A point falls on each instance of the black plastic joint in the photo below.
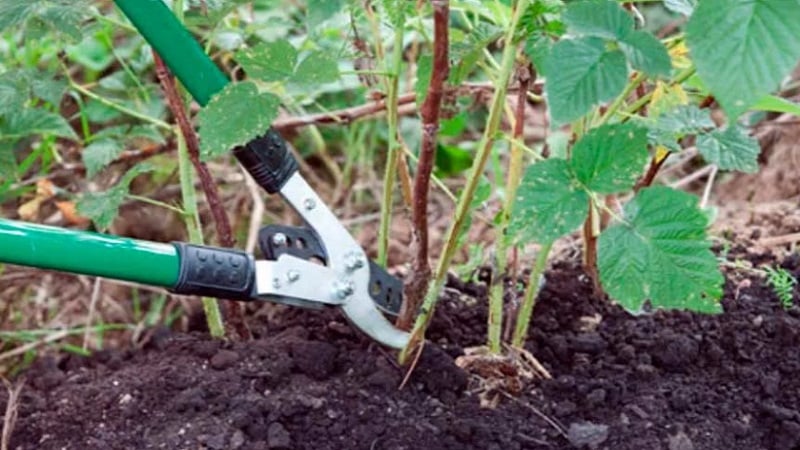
(268, 160)
(215, 272)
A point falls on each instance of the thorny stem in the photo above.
(431, 108)
(392, 153)
(465, 199)
(221, 221)
(495, 326)
(192, 218)
(529, 300)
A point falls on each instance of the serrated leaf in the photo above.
(609, 159)
(102, 207)
(65, 19)
(319, 11)
(15, 12)
(99, 154)
(396, 11)
(730, 149)
(48, 88)
(744, 48)
(35, 121)
(646, 53)
(582, 73)
(685, 7)
(603, 18)
(269, 61)
(537, 48)
(424, 71)
(685, 119)
(235, 116)
(671, 126)
(661, 254)
(317, 68)
(549, 204)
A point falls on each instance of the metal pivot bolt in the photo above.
(279, 239)
(276, 283)
(343, 289)
(354, 261)
(292, 276)
(309, 204)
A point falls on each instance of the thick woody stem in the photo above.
(235, 313)
(430, 112)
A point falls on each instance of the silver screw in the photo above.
(310, 204)
(292, 276)
(354, 262)
(343, 289)
(279, 239)
(276, 283)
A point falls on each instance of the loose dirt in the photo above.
(676, 381)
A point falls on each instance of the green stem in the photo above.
(637, 80)
(529, 300)
(123, 109)
(192, 219)
(465, 200)
(393, 118)
(150, 201)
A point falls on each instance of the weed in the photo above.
(782, 283)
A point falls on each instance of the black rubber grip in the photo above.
(268, 160)
(215, 272)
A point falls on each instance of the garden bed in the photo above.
(671, 380)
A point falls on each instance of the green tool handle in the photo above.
(176, 46)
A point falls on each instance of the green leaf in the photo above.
(318, 68)
(396, 11)
(451, 160)
(235, 116)
(15, 12)
(424, 71)
(99, 154)
(8, 162)
(319, 11)
(730, 149)
(537, 48)
(603, 18)
(269, 61)
(646, 53)
(582, 73)
(685, 7)
(684, 120)
(65, 19)
(609, 159)
(772, 103)
(744, 48)
(102, 207)
(661, 253)
(35, 121)
(550, 203)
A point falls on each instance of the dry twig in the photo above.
(12, 409)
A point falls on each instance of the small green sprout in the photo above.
(782, 283)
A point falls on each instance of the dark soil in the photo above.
(674, 381)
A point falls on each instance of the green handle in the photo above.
(180, 51)
(85, 253)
